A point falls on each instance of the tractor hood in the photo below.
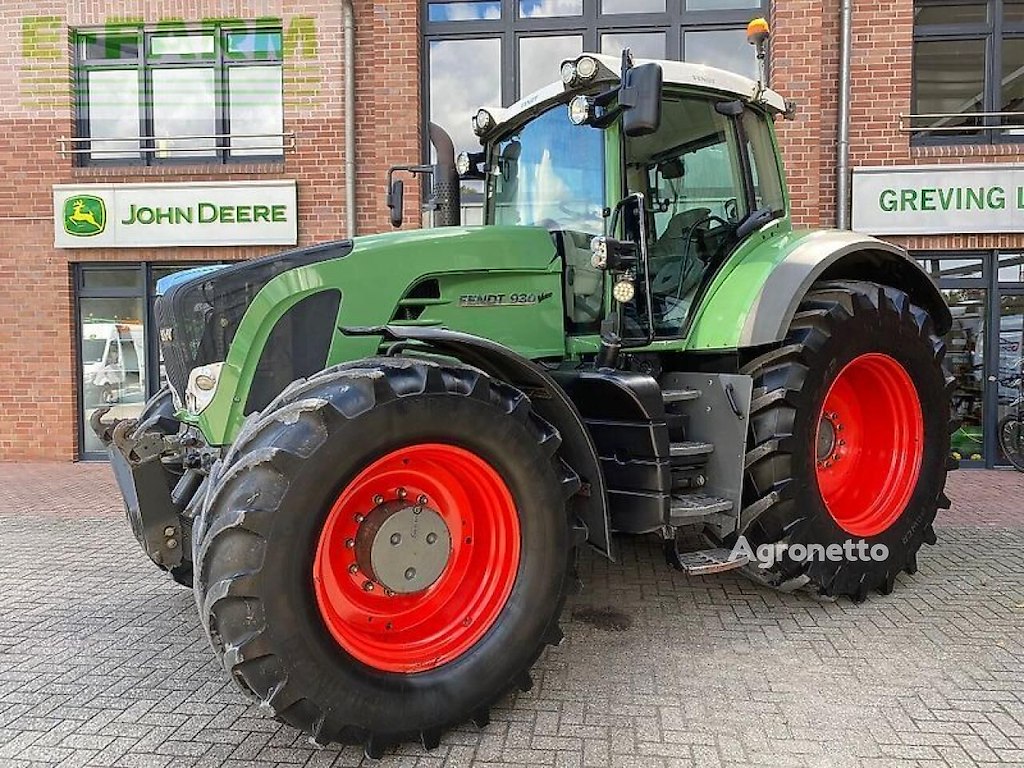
(200, 311)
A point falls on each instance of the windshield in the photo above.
(549, 173)
(92, 350)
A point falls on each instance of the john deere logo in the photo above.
(84, 215)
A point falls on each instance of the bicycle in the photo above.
(1011, 435)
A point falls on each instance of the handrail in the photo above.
(67, 145)
(906, 122)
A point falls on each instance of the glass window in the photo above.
(108, 46)
(550, 174)
(949, 80)
(183, 107)
(1011, 268)
(469, 11)
(182, 45)
(1013, 11)
(455, 98)
(968, 68)
(764, 166)
(632, 6)
(174, 90)
(113, 360)
(945, 268)
(965, 358)
(98, 279)
(1011, 95)
(538, 9)
(722, 48)
(690, 170)
(254, 44)
(952, 13)
(256, 103)
(644, 45)
(1010, 395)
(541, 57)
(112, 101)
(720, 5)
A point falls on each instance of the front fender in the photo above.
(753, 301)
(549, 401)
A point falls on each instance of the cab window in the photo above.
(691, 173)
(764, 166)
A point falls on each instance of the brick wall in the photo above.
(37, 369)
(805, 67)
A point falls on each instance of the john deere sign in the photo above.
(84, 216)
(166, 215)
(933, 199)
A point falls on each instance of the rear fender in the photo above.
(753, 304)
(549, 401)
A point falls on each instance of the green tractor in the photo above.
(377, 459)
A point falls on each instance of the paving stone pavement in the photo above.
(102, 661)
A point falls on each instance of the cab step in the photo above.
(689, 508)
(703, 561)
(690, 449)
(679, 395)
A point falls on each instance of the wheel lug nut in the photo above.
(422, 500)
(410, 574)
(353, 568)
(389, 593)
(359, 518)
(431, 538)
(402, 493)
(368, 586)
(396, 539)
(350, 543)
(378, 500)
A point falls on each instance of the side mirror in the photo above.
(640, 98)
(396, 202)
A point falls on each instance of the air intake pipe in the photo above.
(446, 197)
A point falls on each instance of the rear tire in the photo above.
(290, 480)
(886, 353)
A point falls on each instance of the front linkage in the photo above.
(146, 456)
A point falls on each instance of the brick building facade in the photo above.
(411, 61)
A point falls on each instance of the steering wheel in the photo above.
(669, 279)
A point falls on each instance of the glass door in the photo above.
(964, 284)
(1009, 384)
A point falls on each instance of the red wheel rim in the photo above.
(868, 441)
(421, 630)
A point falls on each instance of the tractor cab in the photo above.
(671, 166)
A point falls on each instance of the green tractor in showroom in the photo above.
(377, 459)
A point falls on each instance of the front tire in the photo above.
(849, 438)
(300, 581)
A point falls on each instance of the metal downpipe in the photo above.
(349, 22)
(843, 142)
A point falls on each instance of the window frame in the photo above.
(993, 32)
(592, 24)
(145, 63)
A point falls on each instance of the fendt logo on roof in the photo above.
(85, 215)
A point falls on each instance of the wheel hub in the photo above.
(403, 547)
(826, 437)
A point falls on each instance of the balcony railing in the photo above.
(115, 147)
(939, 122)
